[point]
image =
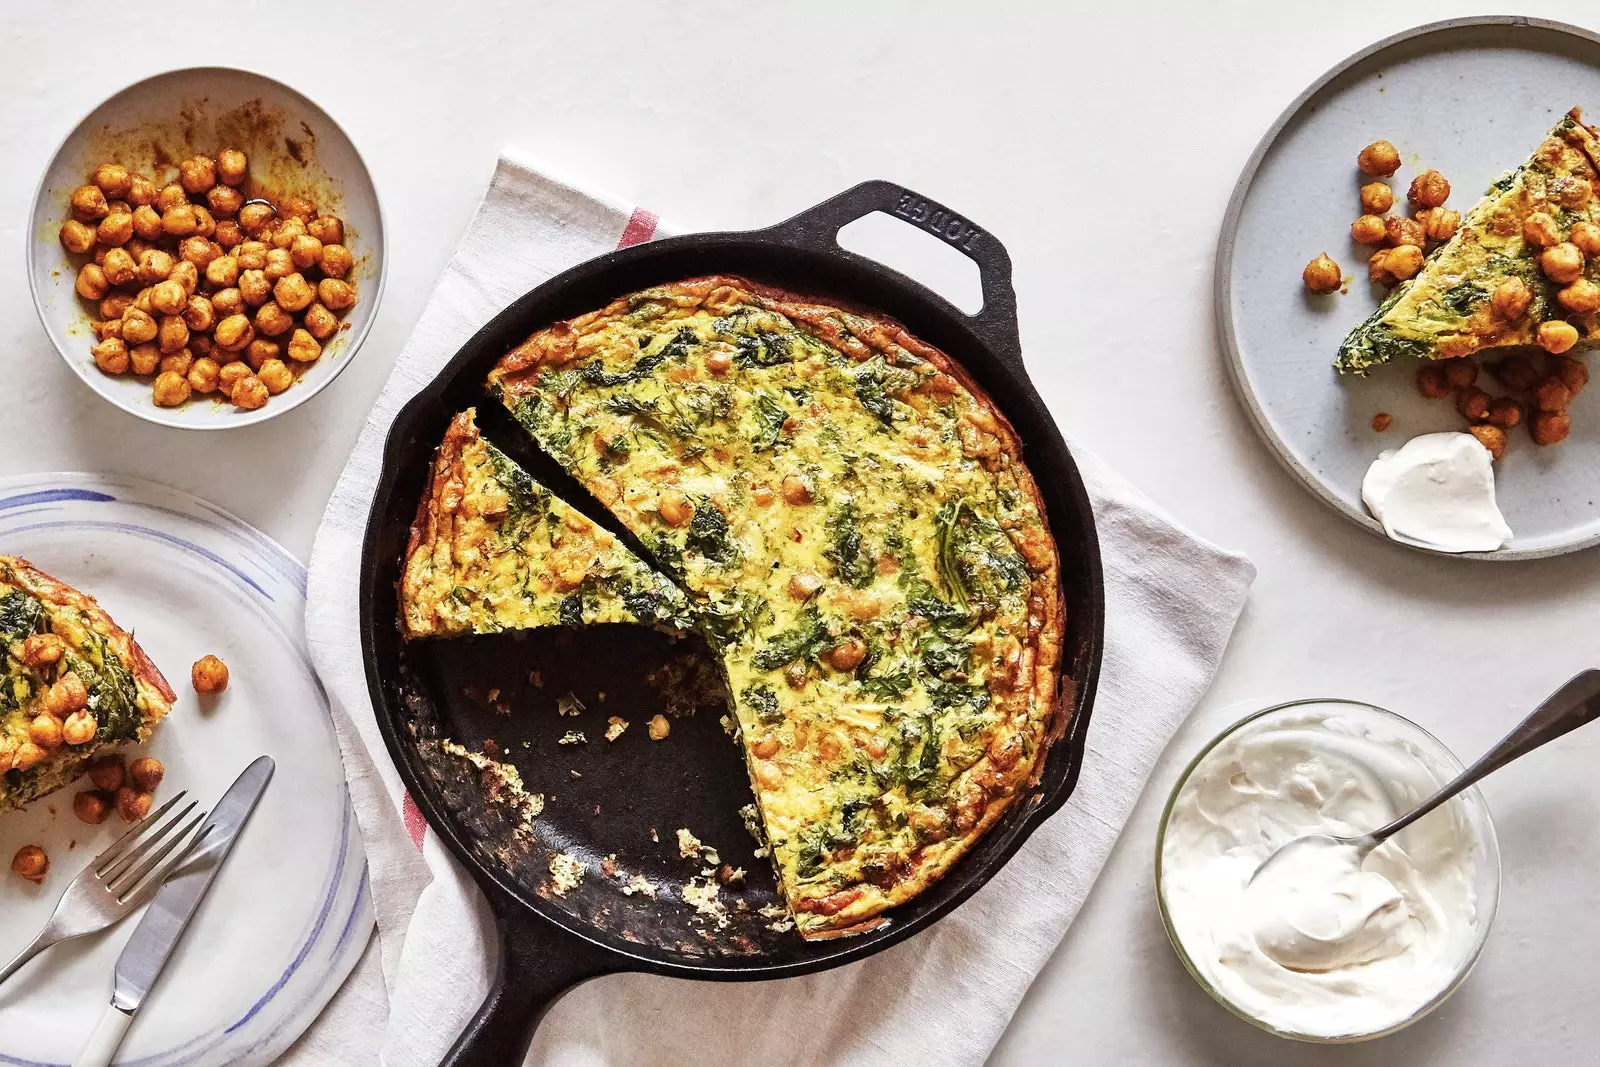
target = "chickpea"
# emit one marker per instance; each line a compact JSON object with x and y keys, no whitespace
{"x":132,"y":804}
{"x":1403,"y":231}
{"x":336,"y":259}
{"x":199,"y":314}
{"x":255,"y":216}
{"x":1459,"y":372}
{"x":327,"y":229}
{"x":1504,"y":412}
{"x":233,"y":333}
{"x":170,"y":390}
{"x":1380,"y":158}
{"x":146,"y":773}
{"x":279,"y":265}
{"x":113,"y":179}
{"x":254,"y":287}
{"x":848,"y":654}
{"x":146,"y":358}
{"x":1562,"y":262}
{"x":1473,"y":403}
{"x":1516,"y":372}
{"x":168,"y":297}
{"x":337,"y":295}
{"x":222,"y":272}
{"x":286,"y":233}
{"x":109,"y":328}
{"x":172,"y":334}
{"x":178,"y":362}
{"x":119,"y":266}
{"x":305,"y":251}
{"x":138,"y":326}
{"x":659,"y":728}
{"x":1431,"y":381}
{"x":115,"y":229}
{"x":1540,"y":230}
{"x":137,"y":246}
{"x":92,"y":283}
{"x":29,"y":756}
{"x":198,"y":174}
{"x":41,"y":650}
{"x":1441,"y":223}
{"x":1368,"y":230}
{"x":111,"y":355}
{"x":147,"y":223}
{"x":106,"y":773}
{"x":31,"y":863}
{"x":1573,"y":373}
{"x":803,"y":585}
{"x":91,"y":807}
{"x":796,"y":489}
{"x":1582,"y":297}
{"x":171,"y":195}
{"x":1550,"y":427}
{"x":297,"y":207}
{"x":199,"y":251}
{"x":1428,"y":189}
{"x":303,"y":347}
{"x":275,"y":375}
{"x":141,"y":191}
{"x":1376,"y":198}
{"x":202,"y":375}
{"x":45,"y":731}
{"x":230,"y":376}
{"x":1403,"y":261}
{"x":77,"y":237}
{"x":1322,"y":275}
{"x":272,"y":320}
{"x":231,"y":166}
{"x":252,"y":255}
{"x":187,"y":275}
{"x":202,"y":346}
{"x":205,"y":223}
{"x":80,"y":728}
{"x":155,"y":266}
{"x":227,"y":302}
{"x":674,"y":507}
{"x":1491,"y":437}
{"x":1557,"y":337}
{"x":1552,"y":394}
{"x":249,"y":392}
{"x":294,"y":293}
{"x":179,"y":221}
{"x":320,"y":322}
{"x":228,"y":234}
{"x":224,"y":201}
{"x":766,"y":748}
{"x":1572,"y":192}
{"x":1586,"y":235}
{"x":260,"y":351}
{"x":8,"y":752}
{"x":89,"y":204}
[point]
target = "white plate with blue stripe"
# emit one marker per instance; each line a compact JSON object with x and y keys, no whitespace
{"x":291,"y":911}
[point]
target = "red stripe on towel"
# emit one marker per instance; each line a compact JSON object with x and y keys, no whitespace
{"x":640,"y":228}
{"x":416,"y":826}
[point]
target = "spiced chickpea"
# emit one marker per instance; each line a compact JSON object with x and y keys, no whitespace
{"x":1572,"y":372}
{"x":1540,"y":230}
{"x":108,"y":328}
{"x":659,"y":728}
{"x":305,"y":251}
{"x":1440,"y":223}
{"x":199,"y":251}
{"x":30,"y":862}
{"x":1473,"y":403}
{"x":41,"y":650}
{"x":89,"y":204}
{"x":133,"y":804}
{"x":198,"y":174}
{"x":303,"y":348}
{"x":275,"y":375}
{"x":319,"y":322}
{"x":45,"y":731}
{"x":177,"y":362}
{"x":1403,"y":261}
{"x":254,"y":287}
{"x":187,"y":275}
{"x":179,"y":221}
{"x":92,"y":283}
{"x":1428,"y":189}
{"x":138,"y":326}
{"x":232,"y":167}
{"x":1562,"y":262}
{"x":120,"y":267}
{"x":113,"y":179}
{"x":146,"y":773}
{"x":224,"y":201}
{"x":91,"y":807}
{"x":249,"y":393}
{"x":141,"y":191}
{"x":29,"y":755}
{"x":80,"y":728}
{"x":172,"y":334}
{"x":272,"y":320}
{"x":115,"y":229}
{"x":199,"y":314}
{"x":1376,"y":198}
{"x":111,"y":355}
{"x":1582,"y":297}
{"x":1550,"y":427}
{"x":1460,"y":372}
{"x":287,"y":231}
{"x":171,"y":195}
{"x":327,"y":229}
{"x":279,"y":265}
{"x":1431,"y":381}
{"x":297,"y":207}
{"x":252,"y":255}
{"x":1368,"y":230}
{"x":202,"y":376}
{"x":145,"y":358}
{"x":674,"y":507}
{"x":1380,"y":158}
{"x":234,"y":332}
{"x":168,"y":297}
{"x":1586,"y":235}
{"x":228,"y":234}
{"x":1322,"y":275}
{"x":1505,"y":412}
{"x":77,"y":237}
{"x":228,"y":302}
{"x":1557,"y":337}
{"x":1552,"y":394}
{"x":337,"y":295}
{"x":230,"y":376}
{"x":222,"y":272}
{"x":1404,"y":231}
{"x":336,"y":259}
{"x":137,"y":246}
{"x":170,"y":390}
{"x":202,"y":346}
{"x":260,"y":351}
{"x":255,"y":216}
{"x":106,"y":773}
{"x":293,"y":292}
{"x":147,"y":223}
{"x":155,"y":266}
{"x":1491,"y":437}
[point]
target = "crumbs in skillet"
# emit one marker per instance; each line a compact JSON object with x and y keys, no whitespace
{"x":566,"y":872}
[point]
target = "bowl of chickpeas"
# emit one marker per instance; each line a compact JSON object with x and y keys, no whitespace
{"x":207,"y":249}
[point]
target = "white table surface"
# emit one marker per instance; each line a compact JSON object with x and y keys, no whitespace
{"x":1018,"y":115}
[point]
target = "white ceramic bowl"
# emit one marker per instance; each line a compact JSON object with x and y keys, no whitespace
{"x":291,"y":143}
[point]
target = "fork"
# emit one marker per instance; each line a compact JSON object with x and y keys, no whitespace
{"x":118,"y":880}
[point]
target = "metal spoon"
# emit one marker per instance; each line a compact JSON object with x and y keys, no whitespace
{"x":1563,"y":711}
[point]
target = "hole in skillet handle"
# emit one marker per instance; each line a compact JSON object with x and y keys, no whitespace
{"x":995,"y":322}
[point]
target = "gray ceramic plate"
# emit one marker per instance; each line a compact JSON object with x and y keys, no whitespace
{"x":1472,"y":98}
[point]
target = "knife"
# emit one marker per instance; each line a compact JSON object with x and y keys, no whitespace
{"x":163,"y":924}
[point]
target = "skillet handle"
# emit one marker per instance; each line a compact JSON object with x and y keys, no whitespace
{"x":538,"y":963}
{"x":817,"y":228}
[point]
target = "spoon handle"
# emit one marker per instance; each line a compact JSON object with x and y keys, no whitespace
{"x":1563,"y":711}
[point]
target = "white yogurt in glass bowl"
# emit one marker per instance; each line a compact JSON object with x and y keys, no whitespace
{"x":1327,"y":947}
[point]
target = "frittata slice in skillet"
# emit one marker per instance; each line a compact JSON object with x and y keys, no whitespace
{"x":64,"y":657}
{"x":1444,"y":311}
{"x":859,"y":513}
{"x":491,"y":549}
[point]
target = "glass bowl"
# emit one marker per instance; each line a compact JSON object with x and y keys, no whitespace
{"x":1444,"y":766}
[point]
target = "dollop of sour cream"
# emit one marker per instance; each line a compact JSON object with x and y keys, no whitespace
{"x":1437,"y":491}
{"x":1324,"y":943}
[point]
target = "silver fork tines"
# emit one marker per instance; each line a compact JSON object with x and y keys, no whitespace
{"x":120,"y":878}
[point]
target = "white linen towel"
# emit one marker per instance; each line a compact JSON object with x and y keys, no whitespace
{"x":945,"y":996}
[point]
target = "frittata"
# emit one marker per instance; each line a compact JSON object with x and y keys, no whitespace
{"x":1446,"y":311}
{"x":74,"y":684}
{"x":872,"y":556}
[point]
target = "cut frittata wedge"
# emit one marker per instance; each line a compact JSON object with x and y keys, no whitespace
{"x":491,"y":549}
{"x":74,"y":684}
{"x":1446,"y":311}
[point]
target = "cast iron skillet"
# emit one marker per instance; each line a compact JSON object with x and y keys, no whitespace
{"x":617,"y":806}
